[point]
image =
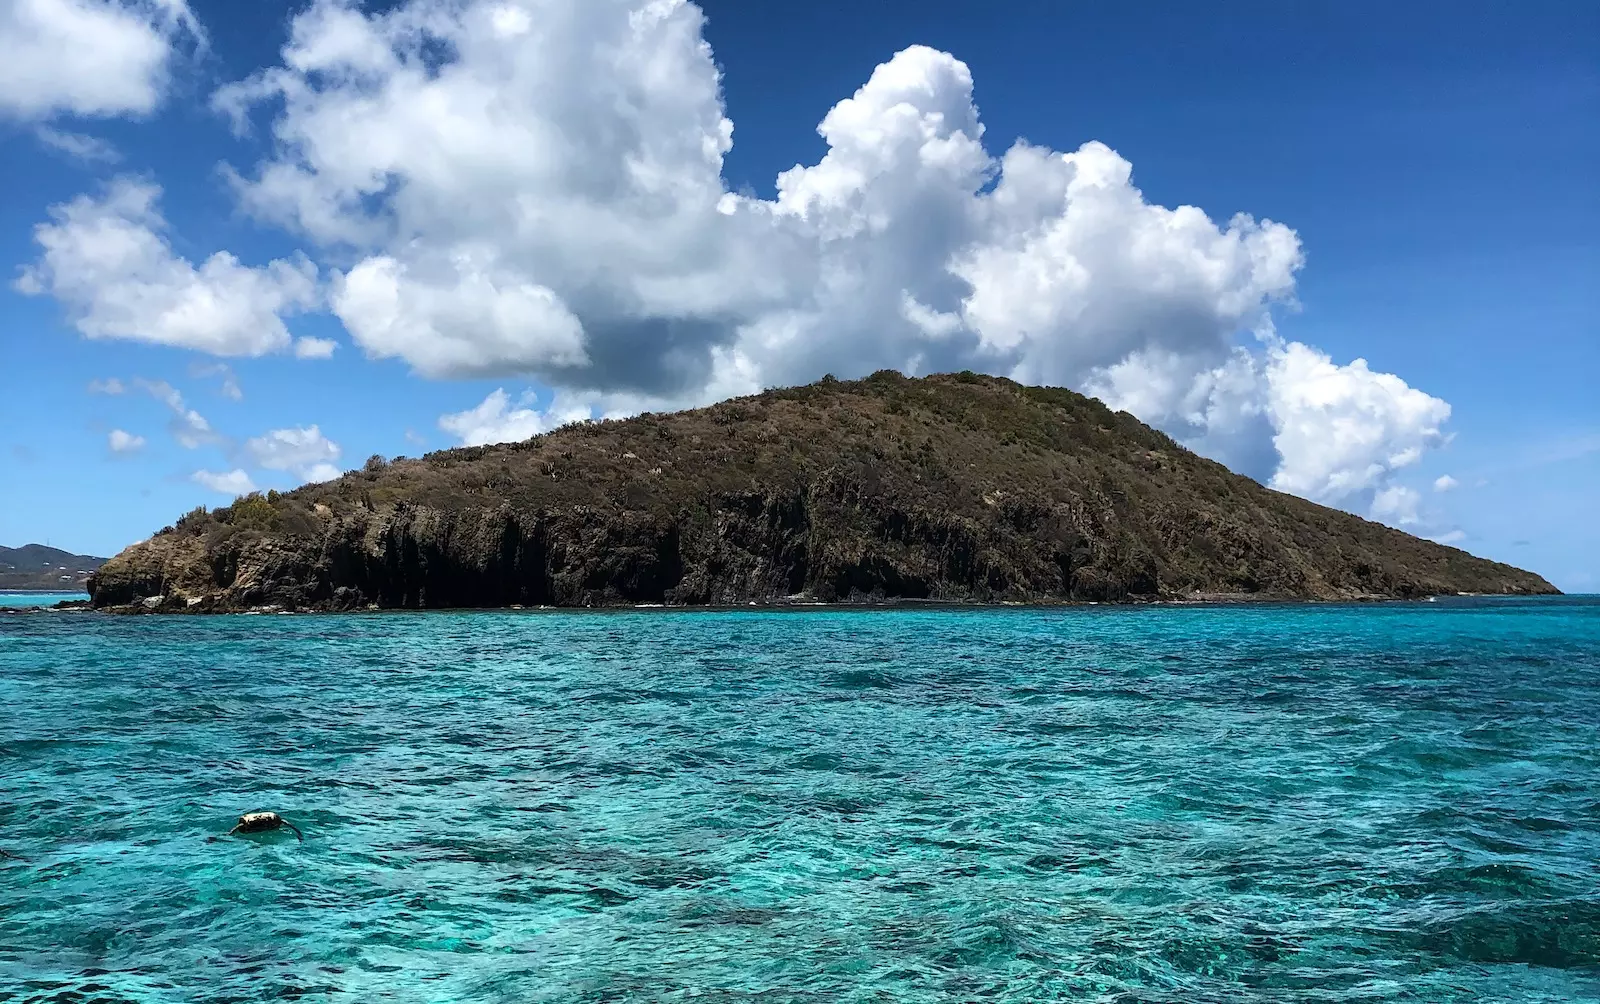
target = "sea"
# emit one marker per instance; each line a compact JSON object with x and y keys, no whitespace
{"x":10,"y":599}
{"x":1295,"y":803}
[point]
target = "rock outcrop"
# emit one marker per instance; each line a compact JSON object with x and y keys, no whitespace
{"x":957,"y":488}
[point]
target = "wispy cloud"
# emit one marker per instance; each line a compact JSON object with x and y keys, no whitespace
{"x":229,"y":382}
{"x":188,"y":426}
{"x":1542,"y":453}
{"x":88,"y":149}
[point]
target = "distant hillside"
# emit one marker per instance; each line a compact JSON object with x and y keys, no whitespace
{"x":34,"y":566}
{"x":955,"y":488}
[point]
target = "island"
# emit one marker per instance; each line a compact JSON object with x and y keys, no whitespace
{"x":955,"y":488}
{"x":34,"y":568}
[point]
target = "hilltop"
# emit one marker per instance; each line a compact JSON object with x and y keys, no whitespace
{"x":960,"y":488}
{"x":37,"y":567}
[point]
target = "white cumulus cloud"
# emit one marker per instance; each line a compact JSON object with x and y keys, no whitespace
{"x":124,"y":442}
{"x":314,"y":348}
{"x":501,"y":221}
{"x":495,"y":420}
{"x":1343,"y":430}
{"x":109,"y":264}
{"x":303,"y":452}
{"x":232,"y":483}
{"x":1445,"y":483}
{"x":89,"y":57}
{"x":464,"y":320}
{"x":1079,"y":271}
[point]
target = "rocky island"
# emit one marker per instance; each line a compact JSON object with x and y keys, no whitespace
{"x":954,"y":488}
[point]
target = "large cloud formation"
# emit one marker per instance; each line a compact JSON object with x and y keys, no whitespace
{"x":108,"y":261}
{"x":88,"y":57}
{"x":535,"y":188}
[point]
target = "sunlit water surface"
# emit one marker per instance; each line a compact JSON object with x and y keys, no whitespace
{"x":34,"y":599}
{"x":1259,"y":804}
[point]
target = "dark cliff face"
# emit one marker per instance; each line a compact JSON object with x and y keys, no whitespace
{"x":953,"y":488}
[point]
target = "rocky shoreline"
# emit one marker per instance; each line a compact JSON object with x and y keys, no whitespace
{"x":162,"y":607}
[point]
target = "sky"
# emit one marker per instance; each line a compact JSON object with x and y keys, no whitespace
{"x":1347,"y":249}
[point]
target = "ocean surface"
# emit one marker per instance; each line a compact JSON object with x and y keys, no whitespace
{"x":14,"y":599}
{"x":1186,"y":804}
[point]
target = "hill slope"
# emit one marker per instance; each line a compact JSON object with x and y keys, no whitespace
{"x":957,"y":487}
{"x":35,"y":566}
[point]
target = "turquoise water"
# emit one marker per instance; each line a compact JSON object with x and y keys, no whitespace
{"x":1265,"y":804}
{"x":38,"y":599}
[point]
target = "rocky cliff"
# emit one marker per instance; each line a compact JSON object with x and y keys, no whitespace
{"x":953,"y":488}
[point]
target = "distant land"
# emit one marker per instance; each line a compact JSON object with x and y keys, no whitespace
{"x":37,"y":567}
{"x":951,"y":488}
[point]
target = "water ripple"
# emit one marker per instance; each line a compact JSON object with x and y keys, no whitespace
{"x":1318,"y":804}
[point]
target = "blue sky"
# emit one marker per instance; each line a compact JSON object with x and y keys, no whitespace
{"x":1428,"y":170}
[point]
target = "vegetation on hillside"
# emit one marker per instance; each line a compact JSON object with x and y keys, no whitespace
{"x":956,"y":487}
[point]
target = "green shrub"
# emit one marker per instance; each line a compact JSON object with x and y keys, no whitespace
{"x":253,"y":512}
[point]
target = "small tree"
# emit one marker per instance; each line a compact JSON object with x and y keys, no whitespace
{"x":193,"y":519}
{"x":254,"y":512}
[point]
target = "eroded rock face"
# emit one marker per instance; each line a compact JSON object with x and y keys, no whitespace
{"x":952,"y":488}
